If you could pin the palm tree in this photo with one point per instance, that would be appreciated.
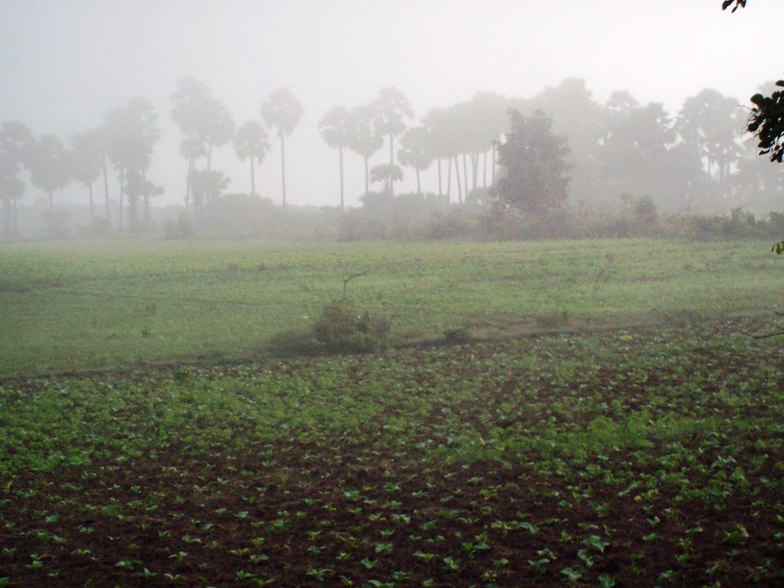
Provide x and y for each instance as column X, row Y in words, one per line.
column 282, row 111
column 131, row 134
column 363, row 137
column 250, row 142
column 15, row 145
column 217, row 127
column 192, row 149
column 415, row 151
column 387, row 175
column 335, row 127
column 207, row 185
column 392, row 109
column 191, row 103
column 50, row 167
column 86, row 159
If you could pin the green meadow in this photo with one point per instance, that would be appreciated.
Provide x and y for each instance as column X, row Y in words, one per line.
column 74, row 306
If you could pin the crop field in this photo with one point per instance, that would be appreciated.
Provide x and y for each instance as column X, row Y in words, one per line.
column 619, row 425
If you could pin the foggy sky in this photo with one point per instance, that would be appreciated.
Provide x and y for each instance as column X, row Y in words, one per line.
column 66, row 62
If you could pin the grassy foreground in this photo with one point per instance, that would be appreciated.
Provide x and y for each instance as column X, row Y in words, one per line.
column 77, row 306
column 638, row 457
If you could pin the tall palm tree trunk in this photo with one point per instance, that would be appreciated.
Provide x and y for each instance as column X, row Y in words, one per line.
column 449, row 180
column 122, row 197
column 191, row 167
column 492, row 166
column 367, row 176
column 391, row 164
column 465, row 174
column 340, row 156
column 252, row 178
column 92, row 208
column 440, row 192
column 106, row 192
column 283, row 166
column 457, row 179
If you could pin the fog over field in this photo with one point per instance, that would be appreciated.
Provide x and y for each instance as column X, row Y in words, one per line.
column 66, row 63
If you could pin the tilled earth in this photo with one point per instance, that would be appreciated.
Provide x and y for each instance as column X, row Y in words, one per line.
column 475, row 469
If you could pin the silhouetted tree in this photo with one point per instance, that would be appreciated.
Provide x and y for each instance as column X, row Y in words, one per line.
column 766, row 121
column 50, row 166
column 709, row 122
column 15, row 144
column 207, row 185
column 634, row 151
column 533, row 165
column 577, row 114
column 205, row 122
column 392, row 110
column 415, row 151
column 387, row 175
column 282, row 111
column 336, row 129
column 437, row 123
column 131, row 135
column 250, row 142
column 363, row 138
column 86, row 159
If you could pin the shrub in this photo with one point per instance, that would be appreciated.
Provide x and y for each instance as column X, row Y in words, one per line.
column 295, row 342
column 344, row 328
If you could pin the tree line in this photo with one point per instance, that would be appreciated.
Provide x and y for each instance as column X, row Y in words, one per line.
column 695, row 158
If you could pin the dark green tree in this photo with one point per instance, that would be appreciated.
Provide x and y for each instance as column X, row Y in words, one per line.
column 534, row 176
column 766, row 120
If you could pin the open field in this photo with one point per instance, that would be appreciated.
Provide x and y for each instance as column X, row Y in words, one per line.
column 632, row 437
column 76, row 306
column 637, row 457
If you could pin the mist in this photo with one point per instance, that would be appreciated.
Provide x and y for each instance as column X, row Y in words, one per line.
column 68, row 63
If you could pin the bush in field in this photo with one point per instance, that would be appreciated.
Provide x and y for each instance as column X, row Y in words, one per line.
column 344, row 328
column 293, row 342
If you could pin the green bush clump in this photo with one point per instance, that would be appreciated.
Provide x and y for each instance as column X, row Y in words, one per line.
column 342, row 328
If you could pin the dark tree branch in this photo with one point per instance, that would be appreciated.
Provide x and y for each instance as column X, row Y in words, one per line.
column 347, row 280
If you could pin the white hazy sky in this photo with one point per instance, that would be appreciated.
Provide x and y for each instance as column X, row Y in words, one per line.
column 64, row 63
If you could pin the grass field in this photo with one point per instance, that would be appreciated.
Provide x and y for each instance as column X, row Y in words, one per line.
column 638, row 455
column 76, row 306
